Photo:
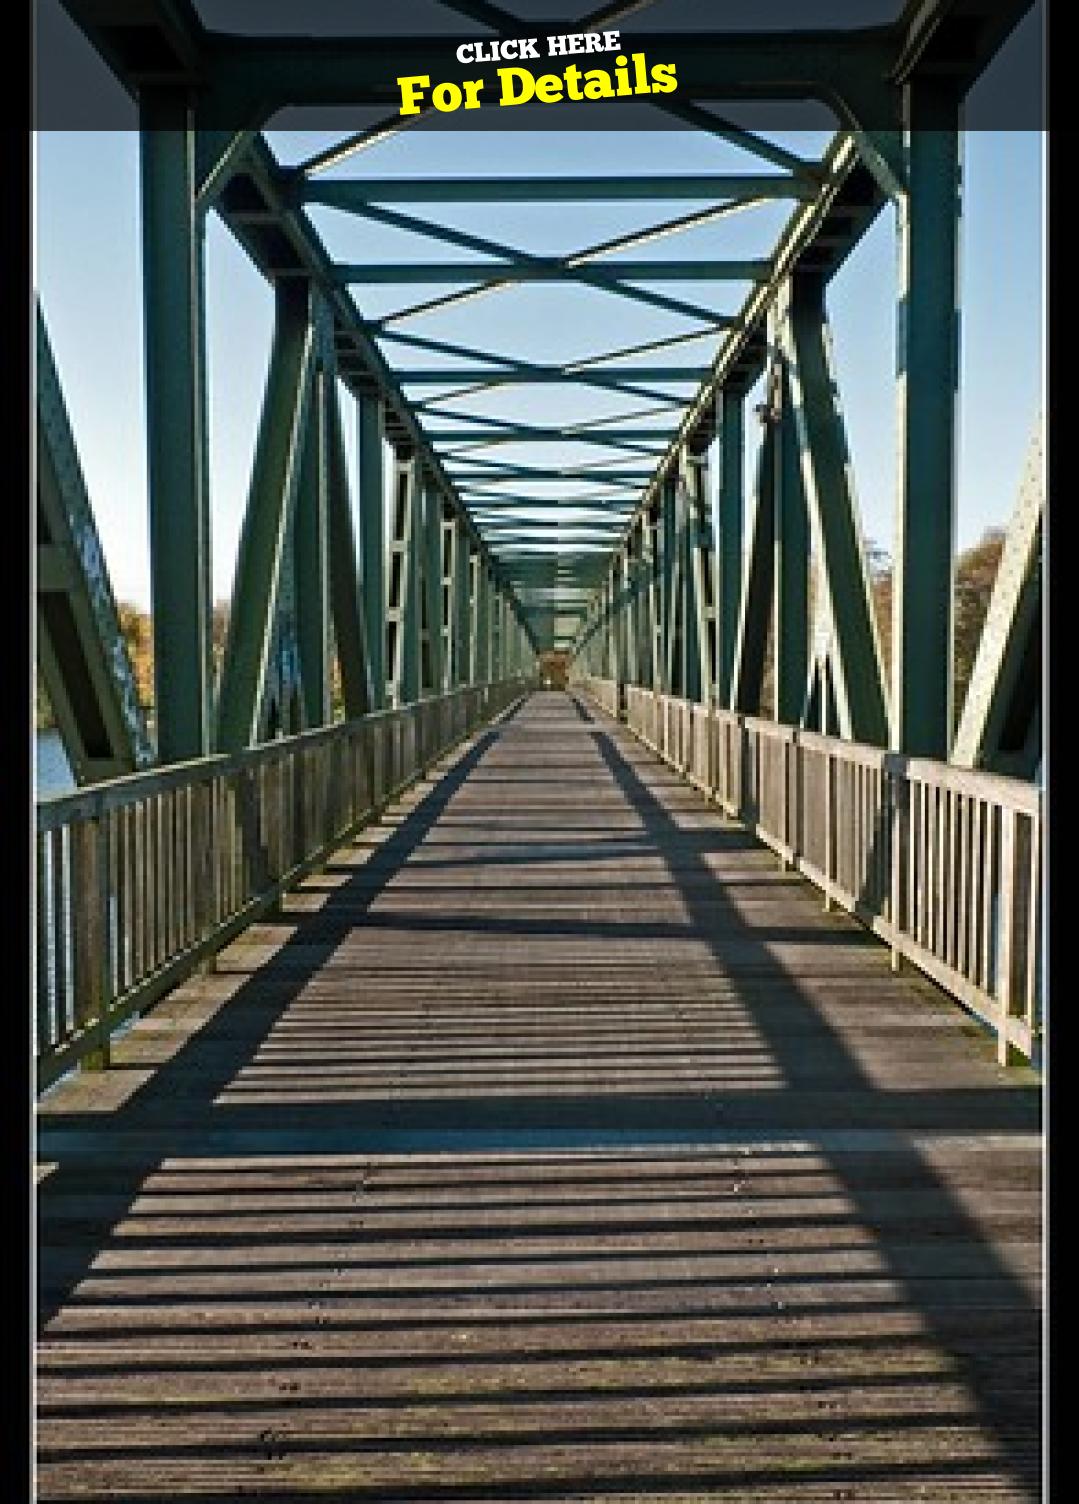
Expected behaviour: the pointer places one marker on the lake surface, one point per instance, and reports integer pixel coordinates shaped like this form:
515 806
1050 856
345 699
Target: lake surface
54 774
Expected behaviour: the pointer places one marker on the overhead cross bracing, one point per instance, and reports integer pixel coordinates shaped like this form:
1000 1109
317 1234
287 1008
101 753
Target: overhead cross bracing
498 299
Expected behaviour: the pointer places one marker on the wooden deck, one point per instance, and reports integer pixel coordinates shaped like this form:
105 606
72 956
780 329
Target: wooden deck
552 1144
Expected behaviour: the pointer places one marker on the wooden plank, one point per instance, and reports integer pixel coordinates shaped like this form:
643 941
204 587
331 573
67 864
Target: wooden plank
246 1287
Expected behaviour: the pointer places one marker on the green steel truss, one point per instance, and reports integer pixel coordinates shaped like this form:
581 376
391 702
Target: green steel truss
485 534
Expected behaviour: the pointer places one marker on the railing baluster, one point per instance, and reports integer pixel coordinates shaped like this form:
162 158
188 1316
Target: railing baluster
914 847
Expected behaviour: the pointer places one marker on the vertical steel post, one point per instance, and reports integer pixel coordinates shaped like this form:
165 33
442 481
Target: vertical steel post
482 654
462 616
790 623
310 559
372 539
729 503
262 592
927 358
432 584
402 625
350 635
179 512
447 594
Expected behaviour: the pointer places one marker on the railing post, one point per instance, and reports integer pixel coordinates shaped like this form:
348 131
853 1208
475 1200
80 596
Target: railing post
89 931
1014 926
900 855
829 828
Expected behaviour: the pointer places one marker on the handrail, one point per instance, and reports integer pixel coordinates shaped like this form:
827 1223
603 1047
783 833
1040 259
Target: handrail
141 878
943 863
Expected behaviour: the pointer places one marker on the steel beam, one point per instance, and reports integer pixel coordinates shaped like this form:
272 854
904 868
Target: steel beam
433 601
178 490
453 272
747 678
829 489
402 625
350 633
927 359
528 374
310 560
790 620
1000 728
267 520
728 514
701 580
496 190
82 656
372 509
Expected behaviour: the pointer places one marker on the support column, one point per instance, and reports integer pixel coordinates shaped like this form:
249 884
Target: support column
927 359
482 606
431 550
402 627
462 619
310 560
654 586
828 478
179 512
700 582
372 508
353 650
262 566
790 622
447 563
729 504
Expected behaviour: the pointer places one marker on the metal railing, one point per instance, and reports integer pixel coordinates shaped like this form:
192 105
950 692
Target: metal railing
943 863
140 878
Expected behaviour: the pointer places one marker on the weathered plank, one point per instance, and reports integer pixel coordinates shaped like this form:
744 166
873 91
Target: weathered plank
551 1144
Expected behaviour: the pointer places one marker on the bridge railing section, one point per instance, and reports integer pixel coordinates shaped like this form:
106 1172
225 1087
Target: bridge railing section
140 878
943 863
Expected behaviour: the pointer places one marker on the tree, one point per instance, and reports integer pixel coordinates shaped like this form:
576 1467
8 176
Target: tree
975 577
137 632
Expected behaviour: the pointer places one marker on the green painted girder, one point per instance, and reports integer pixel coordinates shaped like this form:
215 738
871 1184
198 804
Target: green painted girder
218 154
311 561
431 563
362 367
803 173
522 433
747 678
497 474
271 497
619 513
176 428
927 367
350 632
826 473
1000 727
460 587
370 420
582 265
741 353
402 610
527 375
82 655
443 272
790 620
728 518
487 190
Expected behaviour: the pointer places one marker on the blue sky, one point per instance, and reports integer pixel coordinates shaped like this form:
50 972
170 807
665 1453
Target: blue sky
88 269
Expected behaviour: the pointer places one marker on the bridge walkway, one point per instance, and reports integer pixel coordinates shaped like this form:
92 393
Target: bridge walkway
551 1143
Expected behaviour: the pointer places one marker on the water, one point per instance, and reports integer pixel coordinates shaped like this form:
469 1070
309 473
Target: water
54 774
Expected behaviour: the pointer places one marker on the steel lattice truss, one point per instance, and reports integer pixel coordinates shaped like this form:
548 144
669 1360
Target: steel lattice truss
563 498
